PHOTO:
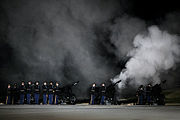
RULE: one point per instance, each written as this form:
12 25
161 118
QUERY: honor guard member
103 94
15 94
50 92
22 92
36 92
141 95
45 90
57 90
8 98
148 93
93 91
28 92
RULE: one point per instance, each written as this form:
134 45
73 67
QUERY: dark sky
66 41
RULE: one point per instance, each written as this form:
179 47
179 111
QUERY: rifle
117 82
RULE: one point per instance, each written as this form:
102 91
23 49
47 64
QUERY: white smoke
152 54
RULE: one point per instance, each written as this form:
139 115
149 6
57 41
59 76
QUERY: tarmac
88 112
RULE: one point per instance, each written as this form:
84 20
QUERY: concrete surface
87 112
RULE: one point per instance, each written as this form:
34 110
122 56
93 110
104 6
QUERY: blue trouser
36 97
50 98
28 98
56 99
141 99
21 98
92 99
44 98
148 98
102 100
8 99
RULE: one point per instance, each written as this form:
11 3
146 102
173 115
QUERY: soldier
28 92
36 92
14 94
148 93
57 90
50 92
103 94
22 92
8 98
140 95
45 90
111 96
93 92
158 97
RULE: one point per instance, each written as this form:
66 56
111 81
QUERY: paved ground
87 112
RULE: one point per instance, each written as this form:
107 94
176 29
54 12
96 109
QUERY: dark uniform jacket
44 89
9 91
93 90
36 89
50 90
29 89
140 91
57 90
148 90
22 89
103 90
14 91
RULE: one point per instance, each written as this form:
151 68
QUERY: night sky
69 40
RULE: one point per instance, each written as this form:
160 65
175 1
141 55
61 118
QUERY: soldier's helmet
51 83
103 84
57 84
29 82
22 83
37 83
9 85
45 83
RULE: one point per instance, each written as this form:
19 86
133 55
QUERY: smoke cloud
154 52
56 41
83 40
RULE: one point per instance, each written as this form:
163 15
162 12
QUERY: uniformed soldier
57 90
8 98
29 92
93 91
148 93
36 92
103 94
45 90
15 94
140 95
50 92
22 92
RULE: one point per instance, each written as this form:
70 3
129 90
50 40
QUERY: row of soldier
150 95
95 93
25 93
98 95
50 93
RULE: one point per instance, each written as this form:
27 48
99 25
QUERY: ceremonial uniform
22 93
93 91
45 90
15 94
36 93
28 92
8 98
50 93
57 90
103 94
